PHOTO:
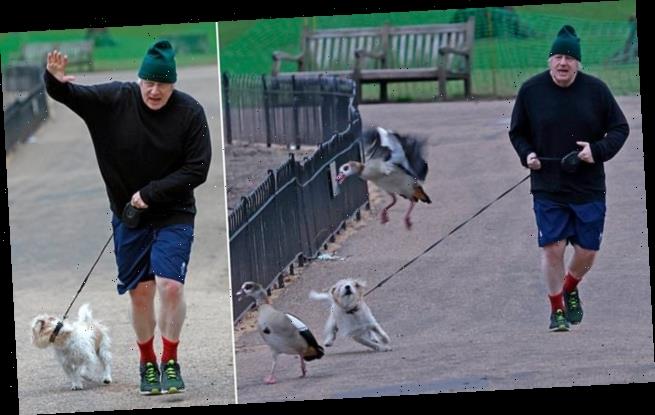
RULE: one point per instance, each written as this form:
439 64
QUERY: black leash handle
450 233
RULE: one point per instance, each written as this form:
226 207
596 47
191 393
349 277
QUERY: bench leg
442 89
383 92
467 88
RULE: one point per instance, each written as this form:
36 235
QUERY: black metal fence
296 210
291 110
30 109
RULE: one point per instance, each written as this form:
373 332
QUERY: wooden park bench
439 52
80 53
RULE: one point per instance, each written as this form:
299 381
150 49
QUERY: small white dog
81 347
350 316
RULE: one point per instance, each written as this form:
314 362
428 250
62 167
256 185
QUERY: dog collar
353 310
55 332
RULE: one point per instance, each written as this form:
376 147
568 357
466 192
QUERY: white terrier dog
81 347
350 316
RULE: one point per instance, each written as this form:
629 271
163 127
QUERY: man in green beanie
565 125
153 148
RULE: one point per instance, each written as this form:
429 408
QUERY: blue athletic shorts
580 224
142 253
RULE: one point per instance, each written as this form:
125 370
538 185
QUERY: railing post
325 119
266 109
296 126
335 106
226 109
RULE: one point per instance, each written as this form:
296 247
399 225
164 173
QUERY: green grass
130 45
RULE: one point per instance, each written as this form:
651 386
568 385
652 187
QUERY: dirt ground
247 165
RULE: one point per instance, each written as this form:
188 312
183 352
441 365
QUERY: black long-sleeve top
164 154
548 120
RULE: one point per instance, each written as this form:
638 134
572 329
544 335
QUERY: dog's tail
84 313
319 296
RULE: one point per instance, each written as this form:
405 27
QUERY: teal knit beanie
159 63
567 42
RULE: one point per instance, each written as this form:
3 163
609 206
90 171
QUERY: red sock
147 351
570 282
556 302
170 350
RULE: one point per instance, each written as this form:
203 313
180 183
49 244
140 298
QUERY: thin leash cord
450 233
87 277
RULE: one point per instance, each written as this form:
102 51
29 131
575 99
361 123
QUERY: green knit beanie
159 63
567 42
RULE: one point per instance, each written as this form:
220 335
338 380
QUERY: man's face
563 69
155 94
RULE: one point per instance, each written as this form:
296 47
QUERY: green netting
512 44
123 47
503 62
495 22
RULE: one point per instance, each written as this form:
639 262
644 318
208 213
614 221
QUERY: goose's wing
313 350
404 151
373 147
413 150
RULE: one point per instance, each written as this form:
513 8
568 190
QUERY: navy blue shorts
142 253
580 224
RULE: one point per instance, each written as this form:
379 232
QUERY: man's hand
533 162
56 65
585 155
137 202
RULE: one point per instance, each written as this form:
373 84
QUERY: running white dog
81 347
351 317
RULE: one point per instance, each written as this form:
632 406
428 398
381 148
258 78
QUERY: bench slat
438 28
349 32
393 74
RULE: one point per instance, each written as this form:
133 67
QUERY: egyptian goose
283 333
396 164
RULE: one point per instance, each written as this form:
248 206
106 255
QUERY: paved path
472 313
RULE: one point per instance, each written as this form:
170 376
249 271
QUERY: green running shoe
171 379
150 379
558 321
573 307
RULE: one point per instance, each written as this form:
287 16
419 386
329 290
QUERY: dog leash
450 233
60 323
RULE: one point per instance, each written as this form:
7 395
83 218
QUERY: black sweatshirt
164 154
548 120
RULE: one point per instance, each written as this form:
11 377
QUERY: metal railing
290 110
297 209
30 109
